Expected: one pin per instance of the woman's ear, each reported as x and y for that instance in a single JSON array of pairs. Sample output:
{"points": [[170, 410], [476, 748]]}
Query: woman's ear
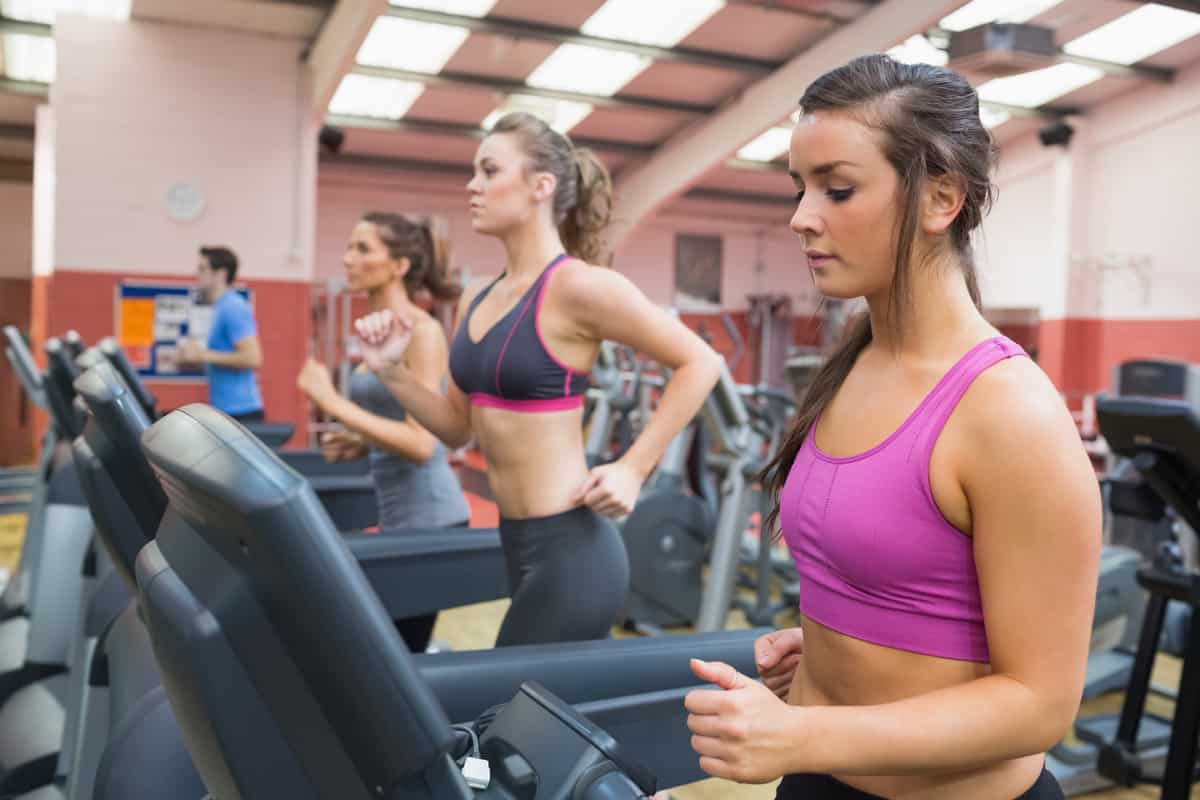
{"points": [[944, 198], [403, 265], [544, 186]]}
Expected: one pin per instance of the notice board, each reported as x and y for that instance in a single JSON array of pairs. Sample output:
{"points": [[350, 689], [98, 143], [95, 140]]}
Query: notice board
{"points": [[150, 320]]}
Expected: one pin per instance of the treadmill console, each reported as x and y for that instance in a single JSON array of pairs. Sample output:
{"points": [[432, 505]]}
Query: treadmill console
{"points": [[537, 740]]}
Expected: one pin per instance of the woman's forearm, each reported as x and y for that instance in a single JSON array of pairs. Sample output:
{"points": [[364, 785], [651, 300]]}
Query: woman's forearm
{"points": [[394, 436], [985, 721], [681, 400], [436, 412]]}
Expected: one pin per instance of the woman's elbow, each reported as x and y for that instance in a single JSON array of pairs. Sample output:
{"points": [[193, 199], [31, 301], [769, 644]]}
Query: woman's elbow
{"points": [[711, 364], [1054, 721]]}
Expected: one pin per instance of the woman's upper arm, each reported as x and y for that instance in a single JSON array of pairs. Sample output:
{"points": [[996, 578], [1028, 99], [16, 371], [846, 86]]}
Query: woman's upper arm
{"points": [[606, 305], [1036, 522]]}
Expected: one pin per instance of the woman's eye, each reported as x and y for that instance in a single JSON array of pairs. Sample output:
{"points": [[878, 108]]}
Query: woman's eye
{"points": [[840, 195]]}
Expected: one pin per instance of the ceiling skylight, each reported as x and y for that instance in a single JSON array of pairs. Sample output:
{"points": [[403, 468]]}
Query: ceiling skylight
{"points": [[992, 117], [768, 146], [405, 44], [919, 50], [1032, 89], [590, 70], [29, 58], [44, 10], [663, 22], [1137, 35], [466, 8], [561, 115], [977, 12], [368, 96]]}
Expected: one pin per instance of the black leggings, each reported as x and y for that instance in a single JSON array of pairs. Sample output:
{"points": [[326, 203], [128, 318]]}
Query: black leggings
{"points": [[250, 417], [568, 575], [823, 787]]}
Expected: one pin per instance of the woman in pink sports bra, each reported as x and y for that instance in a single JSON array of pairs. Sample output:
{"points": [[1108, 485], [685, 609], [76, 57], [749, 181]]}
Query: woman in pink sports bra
{"points": [[942, 513], [519, 363]]}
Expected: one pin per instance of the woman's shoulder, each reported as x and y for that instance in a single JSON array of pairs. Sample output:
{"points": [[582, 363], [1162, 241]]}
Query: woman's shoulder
{"points": [[1014, 404]]}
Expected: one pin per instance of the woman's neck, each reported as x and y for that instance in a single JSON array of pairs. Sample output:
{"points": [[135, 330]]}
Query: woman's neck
{"points": [[391, 295], [937, 314], [529, 249]]}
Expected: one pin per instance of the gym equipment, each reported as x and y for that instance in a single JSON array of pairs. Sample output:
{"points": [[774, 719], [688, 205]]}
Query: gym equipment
{"points": [[276, 654], [611, 403], [1135, 533], [671, 535], [1162, 437], [274, 434], [345, 488], [413, 571]]}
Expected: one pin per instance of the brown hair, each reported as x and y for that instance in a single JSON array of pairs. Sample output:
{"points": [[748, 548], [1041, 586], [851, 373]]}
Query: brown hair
{"points": [[423, 242], [583, 197], [928, 118]]}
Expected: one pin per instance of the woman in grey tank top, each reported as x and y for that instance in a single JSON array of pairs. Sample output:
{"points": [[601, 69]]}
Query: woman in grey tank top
{"points": [[394, 258]]}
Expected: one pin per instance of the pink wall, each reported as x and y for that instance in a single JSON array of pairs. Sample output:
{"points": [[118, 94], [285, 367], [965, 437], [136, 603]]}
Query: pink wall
{"points": [[142, 105], [16, 230]]}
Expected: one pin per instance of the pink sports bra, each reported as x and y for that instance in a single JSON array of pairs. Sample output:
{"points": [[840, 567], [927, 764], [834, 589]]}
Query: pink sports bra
{"points": [[876, 558]]}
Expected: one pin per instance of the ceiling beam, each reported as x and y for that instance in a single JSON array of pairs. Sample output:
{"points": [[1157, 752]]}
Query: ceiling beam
{"points": [[684, 159], [32, 88], [1146, 72], [506, 87], [16, 170], [333, 52], [435, 127], [438, 128], [10, 25], [774, 7], [1182, 5], [463, 171], [527, 29], [13, 130]]}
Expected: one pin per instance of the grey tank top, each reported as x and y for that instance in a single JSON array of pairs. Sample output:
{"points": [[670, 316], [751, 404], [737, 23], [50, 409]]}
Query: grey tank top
{"points": [[410, 495]]}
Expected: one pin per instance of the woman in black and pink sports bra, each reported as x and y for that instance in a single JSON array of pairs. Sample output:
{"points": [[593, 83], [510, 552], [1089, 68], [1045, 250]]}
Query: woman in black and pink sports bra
{"points": [[519, 364]]}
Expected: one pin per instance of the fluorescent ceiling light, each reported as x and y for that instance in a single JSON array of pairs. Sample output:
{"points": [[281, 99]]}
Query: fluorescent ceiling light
{"points": [[561, 115], [465, 8], [768, 146], [662, 22], [1032, 89], [919, 50], [405, 44], [44, 10], [589, 70], [1137, 35], [992, 117], [368, 96], [29, 58], [977, 12]]}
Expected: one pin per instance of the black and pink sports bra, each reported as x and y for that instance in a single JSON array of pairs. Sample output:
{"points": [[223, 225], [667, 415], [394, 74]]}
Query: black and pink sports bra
{"points": [[511, 367]]}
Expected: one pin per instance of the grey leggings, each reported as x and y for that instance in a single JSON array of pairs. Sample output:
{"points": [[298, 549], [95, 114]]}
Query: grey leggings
{"points": [[568, 576]]}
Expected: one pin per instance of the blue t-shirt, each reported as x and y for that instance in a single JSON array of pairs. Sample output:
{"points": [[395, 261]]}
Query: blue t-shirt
{"points": [[234, 391]]}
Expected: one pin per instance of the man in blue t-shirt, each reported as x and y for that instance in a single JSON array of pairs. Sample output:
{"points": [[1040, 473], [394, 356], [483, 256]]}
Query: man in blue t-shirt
{"points": [[232, 352]]}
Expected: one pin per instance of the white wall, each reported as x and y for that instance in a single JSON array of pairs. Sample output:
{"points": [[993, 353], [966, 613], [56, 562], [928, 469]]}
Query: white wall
{"points": [[1109, 228], [16, 230], [142, 105]]}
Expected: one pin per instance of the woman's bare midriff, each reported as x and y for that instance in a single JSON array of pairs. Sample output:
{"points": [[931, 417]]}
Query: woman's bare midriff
{"points": [[534, 461], [840, 670]]}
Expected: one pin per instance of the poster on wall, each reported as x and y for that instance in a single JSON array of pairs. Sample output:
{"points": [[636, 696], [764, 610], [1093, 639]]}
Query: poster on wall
{"points": [[152, 318], [697, 272]]}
